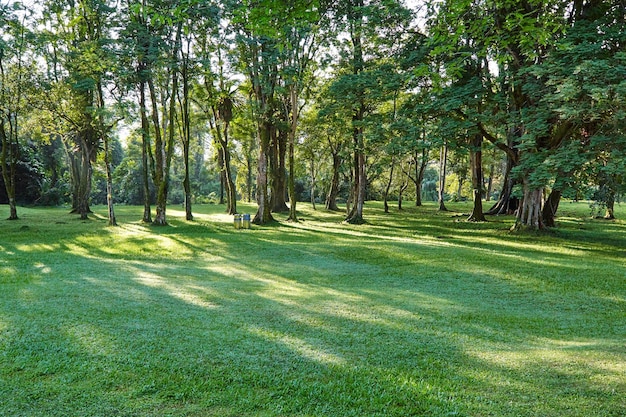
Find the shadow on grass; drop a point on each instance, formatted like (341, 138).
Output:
(199, 319)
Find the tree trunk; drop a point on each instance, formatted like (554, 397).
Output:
(443, 162)
(550, 207)
(529, 213)
(388, 187)
(186, 134)
(610, 206)
(278, 182)
(360, 178)
(507, 203)
(231, 190)
(145, 151)
(477, 214)
(360, 175)
(8, 159)
(263, 214)
(420, 169)
(403, 187)
(107, 157)
(490, 183)
(333, 192)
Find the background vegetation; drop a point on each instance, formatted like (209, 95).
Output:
(149, 102)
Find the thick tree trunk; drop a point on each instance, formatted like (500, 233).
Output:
(550, 208)
(360, 177)
(610, 206)
(278, 182)
(529, 213)
(263, 214)
(476, 166)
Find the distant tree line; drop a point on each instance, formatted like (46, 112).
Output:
(515, 103)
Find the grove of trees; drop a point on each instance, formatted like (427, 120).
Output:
(514, 104)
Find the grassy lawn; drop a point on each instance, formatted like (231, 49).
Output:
(413, 314)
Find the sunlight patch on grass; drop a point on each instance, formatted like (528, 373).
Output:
(42, 268)
(299, 346)
(36, 247)
(586, 359)
(173, 288)
(89, 338)
(353, 232)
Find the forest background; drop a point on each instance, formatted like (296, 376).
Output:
(274, 101)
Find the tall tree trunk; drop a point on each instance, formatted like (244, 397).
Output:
(443, 163)
(333, 192)
(476, 166)
(8, 160)
(145, 152)
(165, 149)
(263, 214)
(249, 177)
(107, 156)
(186, 134)
(231, 191)
(388, 187)
(278, 182)
(10, 145)
(420, 169)
(295, 110)
(360, 175)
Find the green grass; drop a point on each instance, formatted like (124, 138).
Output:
(413, 314)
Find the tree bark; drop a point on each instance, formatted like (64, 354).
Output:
(263, 214)
(278, 182)
(145, 152)
(420, 169)
(388, 187)
(529, 213)
(476, 166)
(333, 192)
(107, 157)
(550, 207)
(443, 161)
(360, 175)
(506, 203)
(8, 159)
(186, 137)
(610, 206)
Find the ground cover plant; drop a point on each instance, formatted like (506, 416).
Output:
(416, 313)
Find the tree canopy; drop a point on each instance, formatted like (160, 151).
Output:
(151, 102)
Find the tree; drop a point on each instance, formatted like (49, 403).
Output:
(374, 29)
(13, 77)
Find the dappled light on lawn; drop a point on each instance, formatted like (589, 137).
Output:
(299, 346)
(398, 318)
